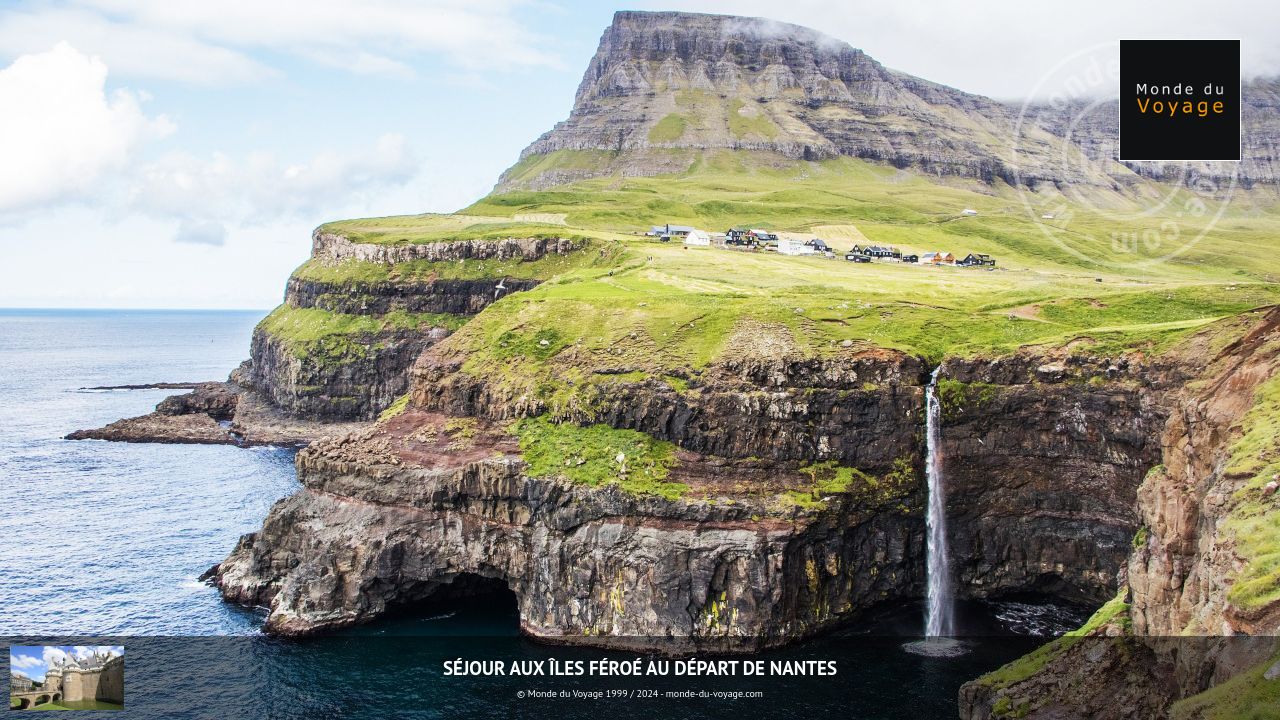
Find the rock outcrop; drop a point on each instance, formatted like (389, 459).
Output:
(346, 370)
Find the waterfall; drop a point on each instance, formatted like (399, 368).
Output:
(938, 617)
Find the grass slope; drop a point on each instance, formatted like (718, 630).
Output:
(627, 303)
(1253, 522)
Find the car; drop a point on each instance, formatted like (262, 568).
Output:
(857, 257)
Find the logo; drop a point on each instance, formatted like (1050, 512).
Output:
(1179, 100)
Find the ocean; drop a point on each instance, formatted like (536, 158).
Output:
(103, 543)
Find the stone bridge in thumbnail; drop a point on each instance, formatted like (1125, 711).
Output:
(28, 699)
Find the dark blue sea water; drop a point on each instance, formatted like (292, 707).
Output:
(102, 543)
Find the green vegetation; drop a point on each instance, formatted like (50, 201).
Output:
(668, 129)
(1252, 521)
(399, 406)
(831, 478)
(1247, 696)
(754, 123)
(602, 255)
(954, 396)
(1140, 538)
(598, 455)
(1116, 610)
(328, 337)
(628, 304)
(82, 705)
(429, 228)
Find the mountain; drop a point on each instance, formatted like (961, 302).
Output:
(664, 87)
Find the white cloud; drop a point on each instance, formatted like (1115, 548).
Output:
(205, 194)
(195, 40)
(53, 654)
(64, 138)
(129, 48)
(25, 662)
(60, 132)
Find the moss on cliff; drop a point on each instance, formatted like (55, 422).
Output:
(325, 337)
(830, 478)
(1253, 523)
(1247, 696)
(598, 455)
(669, 128)
(955, 396)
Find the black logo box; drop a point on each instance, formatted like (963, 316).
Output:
(1186, 68)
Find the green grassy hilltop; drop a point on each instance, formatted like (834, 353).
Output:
(630, 301)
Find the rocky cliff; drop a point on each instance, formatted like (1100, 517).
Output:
(794, 501)
(1044, 454)
(338, 351)
(1202, 606)
(411, 509)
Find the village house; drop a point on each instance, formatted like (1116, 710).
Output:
(666, 232)
(877, 251)
(820, 246)
(973, 259)
(937, 258)
(752, 237)
(794, 246)
(697, 237)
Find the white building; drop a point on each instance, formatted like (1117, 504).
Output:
(697, 237)
(794, 246)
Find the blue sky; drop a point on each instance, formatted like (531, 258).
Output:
(34, 660)
(177, 153)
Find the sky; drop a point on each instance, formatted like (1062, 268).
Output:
(35, 660)
(178, 153)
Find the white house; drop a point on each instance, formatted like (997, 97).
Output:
(697, 237)
(968, 211)
(794, 246)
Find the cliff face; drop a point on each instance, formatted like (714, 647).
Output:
(665, 86)
(1043, 458)
(1200, 609)
(1094, 127)
(861, 410)
(393, 516)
